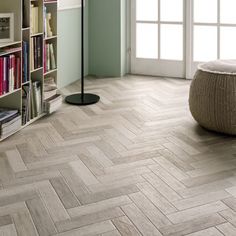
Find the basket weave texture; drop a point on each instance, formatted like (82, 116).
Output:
(212, 101)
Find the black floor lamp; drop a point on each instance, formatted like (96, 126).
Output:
(82, 99)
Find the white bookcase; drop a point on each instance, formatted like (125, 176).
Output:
(22, 10)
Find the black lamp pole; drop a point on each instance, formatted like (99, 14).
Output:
(82, 99)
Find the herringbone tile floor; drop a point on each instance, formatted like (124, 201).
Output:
(134, 164)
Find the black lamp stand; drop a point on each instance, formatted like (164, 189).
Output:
(82, 99)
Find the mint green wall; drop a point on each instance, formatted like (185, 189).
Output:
(107, 37)
(105, 40)
(69, 45)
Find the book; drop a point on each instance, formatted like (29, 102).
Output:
(6, 113)
(49, 84)
(36, 54)
(34, 22)
(50, 88)
(1, 76)
(31, 54)
(26, 90)
(10, 127)
(25, 61)
(52, 104)
(48, 57)
(37, 98)
(52, 57)
(39, 51)
(10, 73)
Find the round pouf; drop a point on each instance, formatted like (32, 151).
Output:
(212, 98)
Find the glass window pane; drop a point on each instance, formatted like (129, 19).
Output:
(171, 42)
(147, 10)
(227, 43)
(171, 10)
(147, 41)
(227, 11)
(205, 43)
(205, 11)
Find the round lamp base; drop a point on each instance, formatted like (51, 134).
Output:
(79, 100)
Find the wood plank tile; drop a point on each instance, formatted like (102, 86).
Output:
(196, 212)
(156, 198)
(88, 219)
(15, 160)
(83, 172)
(24, 224)
(227, 229)
(8, 230)
(66, 196)
(89, 230)
(53, 203)
(5, 220)
(153, 213)
(41, 218)
(162, 187)
(200, 200)
(192, 226)
(103, 195)
(111, 233)
(99, 206)
(125, 226)
(140, 220)
(209, 232)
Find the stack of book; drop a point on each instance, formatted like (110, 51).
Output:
(10, 73)
(26, 93)
(36, 99)
(50, 88)
(34, 19)
(10, 122)
(36, 52)
(25, 56)
(52, 104)
(52, 100)
(49, 57)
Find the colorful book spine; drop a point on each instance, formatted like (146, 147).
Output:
(36, 55)
(25, 61)
(10, 73)
(50, 57)
(1, 76)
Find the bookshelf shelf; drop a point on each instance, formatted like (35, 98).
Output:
(50, 72)
(2, 45)
(33, 120)
(35, 31)
(25, 28)
(27, 82)
(35, 70)
(10, 52)
(50, 2)
(49, 38)
(37, 34)
(9, 93)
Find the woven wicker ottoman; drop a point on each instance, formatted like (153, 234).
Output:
(212, 98)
